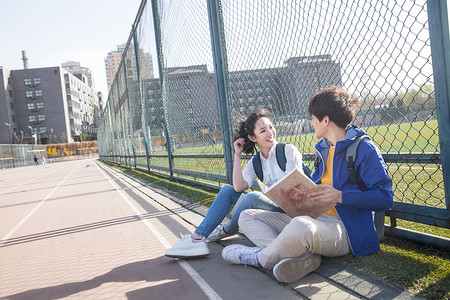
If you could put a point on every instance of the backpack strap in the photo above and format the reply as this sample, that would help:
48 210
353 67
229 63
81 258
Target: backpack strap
317 161
257 166
351 156
306 170
281 156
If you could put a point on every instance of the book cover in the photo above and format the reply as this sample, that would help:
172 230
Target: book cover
289 193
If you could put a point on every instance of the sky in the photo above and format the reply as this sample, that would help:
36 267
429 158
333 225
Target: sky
55 31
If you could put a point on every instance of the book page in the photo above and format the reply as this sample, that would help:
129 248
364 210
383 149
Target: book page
290 194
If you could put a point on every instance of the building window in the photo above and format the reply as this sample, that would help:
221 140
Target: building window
10 93
29 94
41 118
12 106
42 129
30 106
186 82
31 118
38 93
37 80
40 105
27 81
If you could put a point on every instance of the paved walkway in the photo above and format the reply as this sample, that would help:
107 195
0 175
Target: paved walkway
82 230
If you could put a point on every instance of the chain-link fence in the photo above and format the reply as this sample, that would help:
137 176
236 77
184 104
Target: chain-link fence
22 155
192 70
15 156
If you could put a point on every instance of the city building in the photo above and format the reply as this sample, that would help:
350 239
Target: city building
7 107
285 91
75 68
191 97
44 105
114 58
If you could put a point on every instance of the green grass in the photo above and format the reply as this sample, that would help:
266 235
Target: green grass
422 270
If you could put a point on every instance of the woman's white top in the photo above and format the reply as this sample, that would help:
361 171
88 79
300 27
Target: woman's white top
270 168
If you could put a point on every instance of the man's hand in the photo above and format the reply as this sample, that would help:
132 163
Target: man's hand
325 193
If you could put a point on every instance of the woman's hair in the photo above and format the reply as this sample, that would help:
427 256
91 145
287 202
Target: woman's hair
247 127
334 102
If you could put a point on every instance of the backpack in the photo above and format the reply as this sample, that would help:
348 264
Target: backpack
350 156
281 160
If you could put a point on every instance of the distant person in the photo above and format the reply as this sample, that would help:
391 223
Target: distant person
36 161
292 246
256 130
43 160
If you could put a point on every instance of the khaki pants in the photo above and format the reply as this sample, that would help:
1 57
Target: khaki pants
281 236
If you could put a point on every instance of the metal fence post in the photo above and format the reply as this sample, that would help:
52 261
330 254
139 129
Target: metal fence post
440 52
220 69
141 101
131 134
118 122
156 22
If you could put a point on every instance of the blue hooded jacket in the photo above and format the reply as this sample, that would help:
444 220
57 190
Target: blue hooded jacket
357 207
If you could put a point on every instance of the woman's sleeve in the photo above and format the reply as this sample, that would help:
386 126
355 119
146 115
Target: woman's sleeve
249 174
293 158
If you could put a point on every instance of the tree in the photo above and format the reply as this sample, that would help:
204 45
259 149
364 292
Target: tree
63 137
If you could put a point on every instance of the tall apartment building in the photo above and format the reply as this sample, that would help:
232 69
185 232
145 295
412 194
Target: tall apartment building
114 58
47 103
75 68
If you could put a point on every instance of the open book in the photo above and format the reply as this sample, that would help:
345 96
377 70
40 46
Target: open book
289 193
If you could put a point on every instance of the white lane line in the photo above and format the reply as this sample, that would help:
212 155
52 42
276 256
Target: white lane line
187 267
3 240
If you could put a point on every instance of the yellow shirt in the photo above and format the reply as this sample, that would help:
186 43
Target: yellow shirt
327 177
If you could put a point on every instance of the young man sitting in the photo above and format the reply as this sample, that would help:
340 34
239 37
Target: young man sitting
293 246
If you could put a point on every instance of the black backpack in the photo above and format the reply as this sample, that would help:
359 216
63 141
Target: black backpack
281 160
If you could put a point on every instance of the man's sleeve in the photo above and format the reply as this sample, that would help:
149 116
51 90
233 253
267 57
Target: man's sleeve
373 173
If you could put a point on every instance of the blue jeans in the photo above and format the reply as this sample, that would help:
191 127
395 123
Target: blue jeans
221 205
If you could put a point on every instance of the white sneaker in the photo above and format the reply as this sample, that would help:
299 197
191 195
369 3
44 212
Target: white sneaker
186 248
241 255
293 269
219 233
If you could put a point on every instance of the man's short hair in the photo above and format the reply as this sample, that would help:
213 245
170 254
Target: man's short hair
334 102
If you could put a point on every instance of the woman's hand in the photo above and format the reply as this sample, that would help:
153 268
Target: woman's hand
239 146
325 193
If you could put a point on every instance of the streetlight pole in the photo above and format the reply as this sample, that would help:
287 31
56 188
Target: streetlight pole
10 143
10 134
32 135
